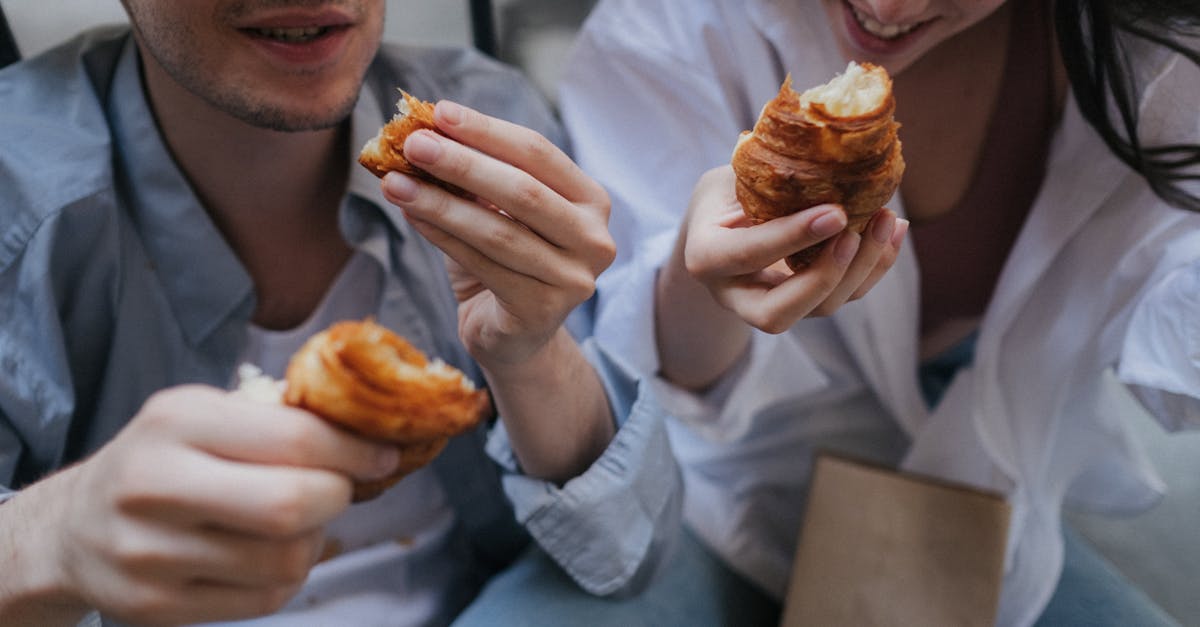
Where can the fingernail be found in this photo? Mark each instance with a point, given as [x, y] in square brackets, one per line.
[847, 245]
[386, 461]
[449, 112]
[422, 147]
[900, 231]
[884, 225]
[399, 186]
[828, 223]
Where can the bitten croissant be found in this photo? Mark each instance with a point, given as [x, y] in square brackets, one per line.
[385, 152]
[835, 143]
[365, 378]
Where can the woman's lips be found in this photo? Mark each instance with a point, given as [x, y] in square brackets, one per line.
[874, 37]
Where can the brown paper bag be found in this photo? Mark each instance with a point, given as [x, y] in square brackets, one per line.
[881, 548]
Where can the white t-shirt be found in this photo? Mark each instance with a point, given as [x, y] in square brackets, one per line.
[391, 558]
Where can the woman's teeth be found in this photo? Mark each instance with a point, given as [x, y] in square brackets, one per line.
[292, 35]
[879, 29]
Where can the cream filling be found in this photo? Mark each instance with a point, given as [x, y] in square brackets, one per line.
[853, 92]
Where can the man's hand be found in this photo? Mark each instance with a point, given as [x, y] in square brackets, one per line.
[207, 506]
[523, 254]
[528, 250]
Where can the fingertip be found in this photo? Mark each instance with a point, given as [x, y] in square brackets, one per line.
[448, 112]
[826, 220]
[387, 459]
[846, 247]
[423, 146]
[399, 187]
[899, 232]
[883, 226]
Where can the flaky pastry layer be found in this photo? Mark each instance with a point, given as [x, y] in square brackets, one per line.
[385, 152]
[835, 143]
[369, 380]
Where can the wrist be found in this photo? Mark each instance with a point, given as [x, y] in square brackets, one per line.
[531, 366]
[35, 588]
[685, 309]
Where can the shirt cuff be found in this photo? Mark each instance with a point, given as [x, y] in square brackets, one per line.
[614, 522]
[1160, 358]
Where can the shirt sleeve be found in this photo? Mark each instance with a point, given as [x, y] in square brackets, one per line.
[679, 122]
[1160, 359]
[612, 526]
[646, 124]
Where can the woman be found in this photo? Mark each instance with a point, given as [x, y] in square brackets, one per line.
[1048, 147]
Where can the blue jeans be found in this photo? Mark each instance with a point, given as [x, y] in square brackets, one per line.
[696, 590]
[693, 589]
[1092, 591]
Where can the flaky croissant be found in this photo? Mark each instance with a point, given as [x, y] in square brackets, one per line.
[384, 152]
[835, 143]
[365, 378]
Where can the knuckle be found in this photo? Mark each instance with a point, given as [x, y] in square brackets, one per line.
[825, 283]
[299, 437]
[156, 411]
[606, 253]
[274, 598]
[457, 164]
[581, 285]
[767, 320]
[286, 510]
[149, 604]
[439, 201]
[698, 266]
[129, 550]
[739, 257]
[502, 238]
[293, 562]
[539, 148]
[823, 310]
[601, 199]
[529, 193]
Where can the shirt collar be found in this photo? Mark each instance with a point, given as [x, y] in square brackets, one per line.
[200, 274]
[203, 279]
[365, 203]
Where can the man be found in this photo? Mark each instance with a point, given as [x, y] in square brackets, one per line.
[183, 198]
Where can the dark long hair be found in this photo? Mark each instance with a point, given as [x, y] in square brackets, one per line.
[1090, 36]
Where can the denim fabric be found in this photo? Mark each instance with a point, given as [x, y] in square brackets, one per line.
[693, 589]
[1093, 593]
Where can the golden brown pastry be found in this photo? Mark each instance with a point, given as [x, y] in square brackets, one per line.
[835, 143]
[365, 378]
[385, 152]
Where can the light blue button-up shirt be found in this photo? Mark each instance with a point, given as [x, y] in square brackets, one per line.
[114, 283]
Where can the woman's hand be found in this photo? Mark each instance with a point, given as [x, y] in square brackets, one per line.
[206, 506]
[725, 274]
[523, 254]
[741, 265]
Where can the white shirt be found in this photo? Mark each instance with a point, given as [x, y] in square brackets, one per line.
[389, 558]
[1103, 280]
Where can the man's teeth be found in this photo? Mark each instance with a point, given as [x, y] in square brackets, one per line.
[879, 29]
[292, 34]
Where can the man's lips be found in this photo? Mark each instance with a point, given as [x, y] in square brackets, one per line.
[327, 18]
[293, 35]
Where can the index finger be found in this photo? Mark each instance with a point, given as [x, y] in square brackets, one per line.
[733, 251]
[235, 428]
[520, 147]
